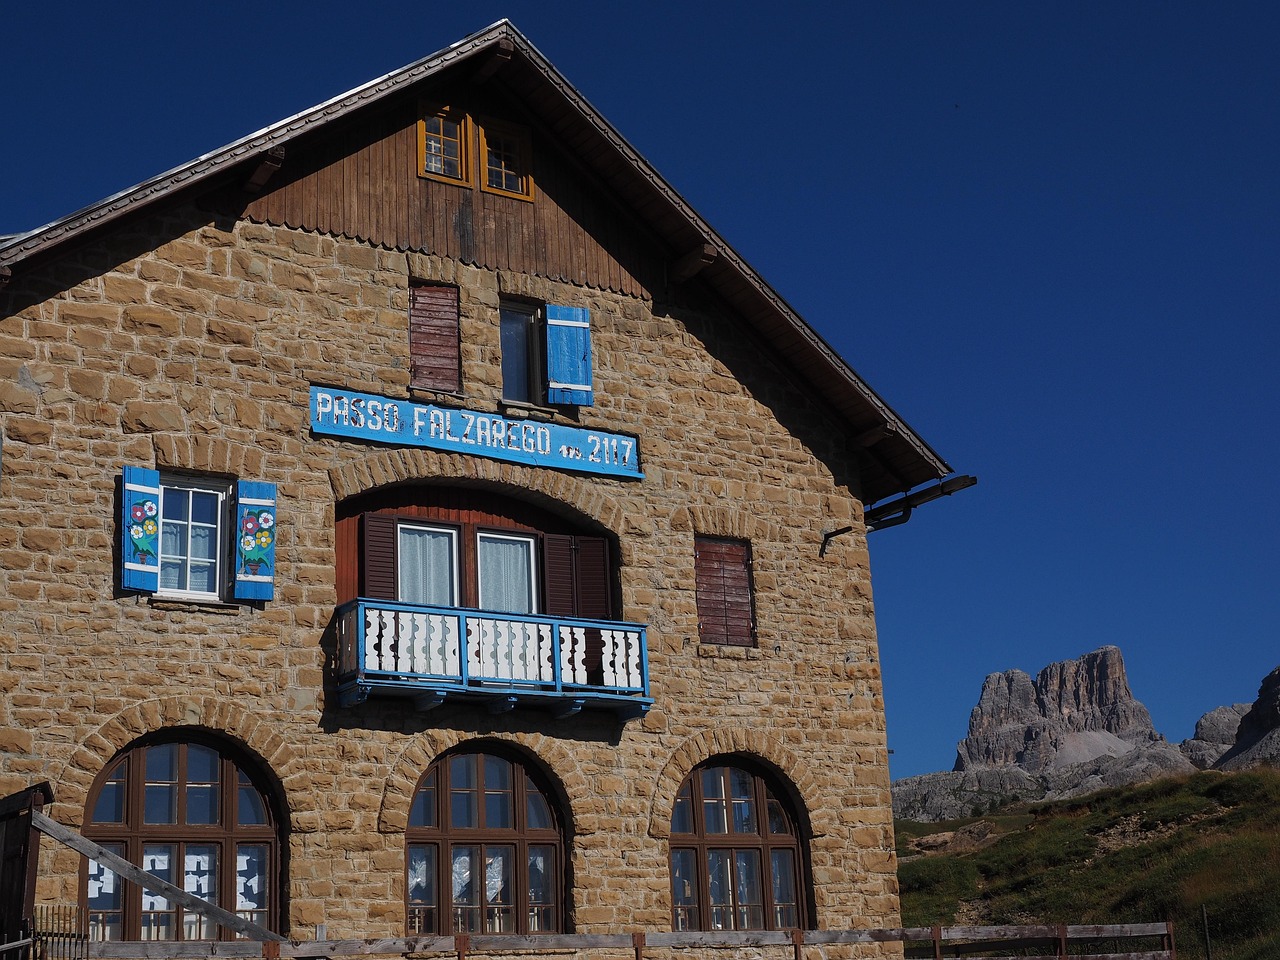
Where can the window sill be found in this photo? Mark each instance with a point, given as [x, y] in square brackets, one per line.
[425, 393]
[728, 651]
[533, 411]
[220, 607]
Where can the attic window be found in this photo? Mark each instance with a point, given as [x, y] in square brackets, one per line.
[442, 146]
[507, 154]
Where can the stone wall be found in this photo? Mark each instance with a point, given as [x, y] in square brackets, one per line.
[184, 343]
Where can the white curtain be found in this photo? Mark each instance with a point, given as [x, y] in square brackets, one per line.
[506, 574]
[427, 566]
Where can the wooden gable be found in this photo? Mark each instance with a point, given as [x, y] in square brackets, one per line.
[360, 179]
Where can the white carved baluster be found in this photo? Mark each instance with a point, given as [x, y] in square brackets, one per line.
[566, 655]
[452, 658]
[529, 652]
[511, 651]
[500, 665]
[633, 659]
[515, 652]
[376, 640]
[489, 656]
[431, 643]
[474, 629]
[418, 647]
[609, 658]
[370, 638]
[579, 654]
[544, 654]
[403, 621]
[488, 648]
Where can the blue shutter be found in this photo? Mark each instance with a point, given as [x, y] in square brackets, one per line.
[140, 529]
[255, 547]
[568, 355]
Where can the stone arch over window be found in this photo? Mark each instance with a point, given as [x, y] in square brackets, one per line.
[197, 810]
[550, 488]
[723, 521]
[486, 846]
[285, 775]
[560, 768]
[738, 850]
[759, 747]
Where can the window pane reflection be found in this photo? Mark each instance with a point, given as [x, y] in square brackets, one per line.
[684, 890]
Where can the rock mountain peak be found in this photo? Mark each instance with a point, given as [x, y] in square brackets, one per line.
[1077, 728]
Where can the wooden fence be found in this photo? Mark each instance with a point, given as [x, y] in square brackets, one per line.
[1143, 941]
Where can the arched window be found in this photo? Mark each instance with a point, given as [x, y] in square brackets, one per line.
[485, 850]
[736, 854]
[185, 807]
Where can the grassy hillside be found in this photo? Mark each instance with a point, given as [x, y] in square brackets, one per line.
[1161, 851]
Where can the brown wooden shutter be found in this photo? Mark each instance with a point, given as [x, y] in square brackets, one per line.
[379, 572]
[434, 356]
[724, 592]
[576, 577]
[591, 579]
[557, 574]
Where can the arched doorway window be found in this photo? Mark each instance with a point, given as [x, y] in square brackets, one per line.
[736, 853]
[189, 808]
[485, 849]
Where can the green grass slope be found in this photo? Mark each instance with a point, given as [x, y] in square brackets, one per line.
[1166, 850]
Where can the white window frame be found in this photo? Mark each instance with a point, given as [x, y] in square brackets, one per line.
[221, 489]
[532, 541]
[456, 570]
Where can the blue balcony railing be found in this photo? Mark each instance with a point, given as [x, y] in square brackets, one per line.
[433, 654]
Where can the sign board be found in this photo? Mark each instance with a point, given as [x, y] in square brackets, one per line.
[366, 416]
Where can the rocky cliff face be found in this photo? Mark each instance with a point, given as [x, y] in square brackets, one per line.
[1258, 736]
[1215, 735]
[1074, 711]
[1075, 729]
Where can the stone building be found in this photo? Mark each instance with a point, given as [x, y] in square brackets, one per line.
[414, 518]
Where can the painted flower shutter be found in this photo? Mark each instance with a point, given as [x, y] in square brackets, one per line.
[140, 529]
[379, 572]
[569, 355]
[255, 546]
[434, 354]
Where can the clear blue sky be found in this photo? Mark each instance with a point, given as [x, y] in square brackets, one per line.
[1047, 233]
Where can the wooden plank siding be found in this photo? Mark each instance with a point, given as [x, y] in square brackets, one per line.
[361, 181]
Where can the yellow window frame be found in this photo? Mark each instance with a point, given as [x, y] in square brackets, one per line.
[506, 151]
[433, 131]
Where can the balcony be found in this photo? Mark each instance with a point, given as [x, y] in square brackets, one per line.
[434, 654]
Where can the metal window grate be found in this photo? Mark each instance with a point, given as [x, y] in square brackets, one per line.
[58, 933]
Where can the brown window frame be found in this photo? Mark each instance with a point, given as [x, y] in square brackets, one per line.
[435, 794]
[435, 337]
[769, 802]
[131, 835]
[725, 591]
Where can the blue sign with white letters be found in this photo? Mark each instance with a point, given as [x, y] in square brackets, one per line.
[365, 416]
